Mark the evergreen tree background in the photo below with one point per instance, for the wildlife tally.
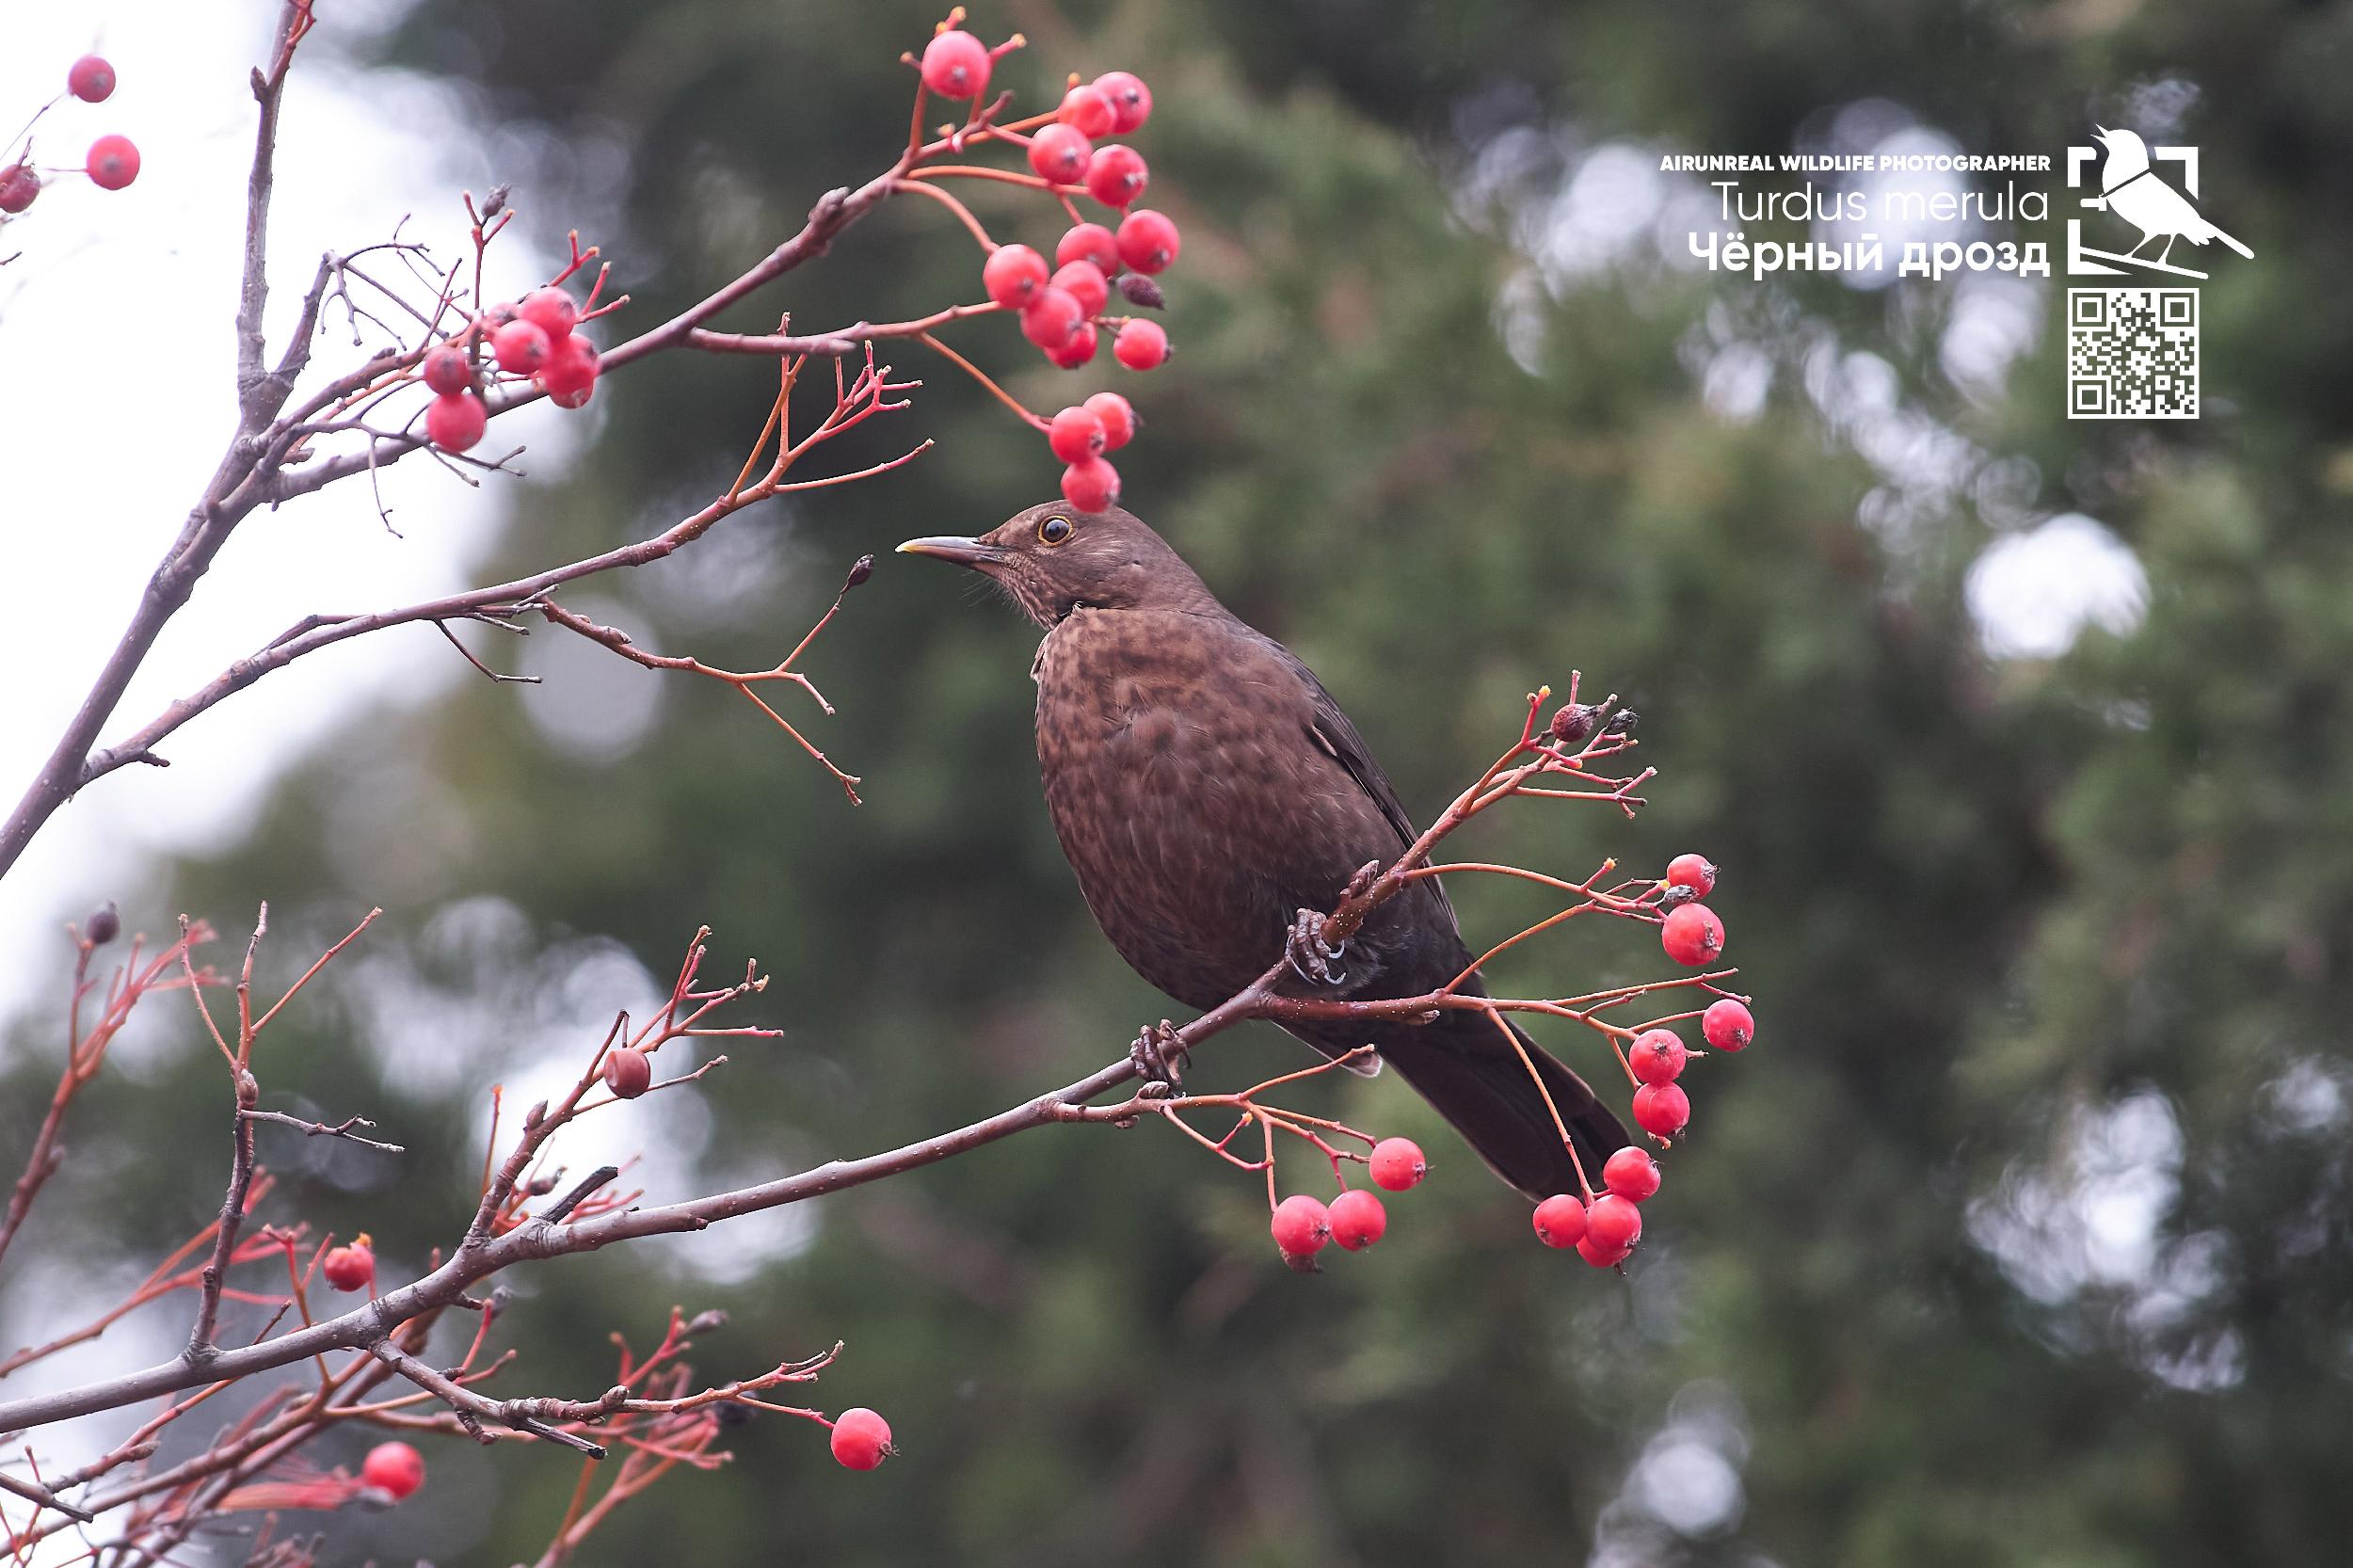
(2021, 1236)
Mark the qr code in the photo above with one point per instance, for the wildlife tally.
(2132, 353)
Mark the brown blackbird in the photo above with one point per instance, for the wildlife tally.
(1213, 800)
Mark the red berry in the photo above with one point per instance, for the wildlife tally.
(1560, 1221)
(1088, 110)
(1089, 242)
(1657, 1056)
(1131, 101)
(113, 163)
(1052, 317)
(552, 310)
(1076, 435)
(1012, 274)
(1119, 428)
(1692, 935)
(955, 64)
(1663, 1110)
(628, 1072)
(1695, 872)
(394, 1470)
(1396, 1162)
(1147, 240)
(1727, 1025)
(351, 1268)
(1601, 1257)
(1116, 175)
(522, 346)
(1302, 1224)
(454, 421)
(18, 186)
(1357, 1219)
(862, 1439)
(1631, 1174)
(1087, 285)
(1060, 153)
(91, 79)
(1078, 350)
(447, 370)
(1141, 345)
(1090, 483)
(571, 373)
(1614, 1224)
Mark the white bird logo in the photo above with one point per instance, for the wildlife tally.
(2130, 189)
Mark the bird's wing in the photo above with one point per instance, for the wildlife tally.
(1331, 729)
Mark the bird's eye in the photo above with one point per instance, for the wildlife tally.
(1053, 530)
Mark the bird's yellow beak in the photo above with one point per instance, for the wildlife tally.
(964, 552)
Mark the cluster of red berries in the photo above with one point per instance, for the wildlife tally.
(1302, 1226)
(1061, 305)
(112, 161)
(1692, 935)
(394, 1470)
(537, 340)
(862, 1439)
(351, 1267)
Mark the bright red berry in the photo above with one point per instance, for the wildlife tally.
(1088, 110)
(1560, 1221)
(454, 421)
(1692, 935)
(1601, 1257)
(522, 346)
(1614, 1224)
(19, 184)
(447, 370)
(1147, 240)
(1302, 1225)
(1089, 242)
(628, 1072)
(1076, 434)
(955, 64)
(1727, 1025)
(1051, 316)
(1119, 428)
(1087, 285)
(394, 1470)
(1631, 1174)
(1663, 1110)
(862, 1439)
(1116, 176)
(1141, 345)
(1131, 101)
(1657, 1056)
(552, 310)
(1357, 1219)
(571, 373)
(1060, 153)
(1013, 274)
(91, 79)
(350, 1268)
(1396, 1162)
(1090, 483)
(1695, 872)
(113, 163)
(1080, 350)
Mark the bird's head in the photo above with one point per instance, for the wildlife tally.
(2122, 144)
(1053, 559)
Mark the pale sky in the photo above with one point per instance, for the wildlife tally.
(115, 338)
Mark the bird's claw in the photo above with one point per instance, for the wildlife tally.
(1311, 958)
(1159, 1054)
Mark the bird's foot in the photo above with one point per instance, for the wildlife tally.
(1159, 1054)
(1311, 958)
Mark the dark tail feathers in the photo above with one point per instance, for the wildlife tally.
(1460, 1064)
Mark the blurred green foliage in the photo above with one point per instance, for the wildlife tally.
(2045, 952)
